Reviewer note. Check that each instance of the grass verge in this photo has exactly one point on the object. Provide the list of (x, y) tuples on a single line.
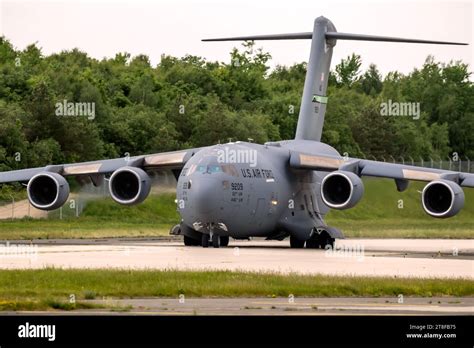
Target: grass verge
[(44, 304), (382, 213), (52, 288)]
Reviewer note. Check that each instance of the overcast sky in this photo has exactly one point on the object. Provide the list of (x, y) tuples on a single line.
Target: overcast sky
[(102, 28)]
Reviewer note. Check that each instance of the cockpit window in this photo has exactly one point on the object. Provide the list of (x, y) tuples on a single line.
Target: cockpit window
[(214, 169), (209, 169), (201, 169), (228, 169)]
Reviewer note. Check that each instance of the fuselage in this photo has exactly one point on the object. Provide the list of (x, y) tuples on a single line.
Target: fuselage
[(244, 189)]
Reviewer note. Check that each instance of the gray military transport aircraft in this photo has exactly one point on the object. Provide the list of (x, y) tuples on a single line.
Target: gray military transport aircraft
[(242, 189)]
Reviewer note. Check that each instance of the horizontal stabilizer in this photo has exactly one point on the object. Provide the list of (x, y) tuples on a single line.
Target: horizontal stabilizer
[(332, 35), (293, 36), (361, 37)]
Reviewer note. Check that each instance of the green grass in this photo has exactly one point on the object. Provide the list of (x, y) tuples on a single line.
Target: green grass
[(381, 200), (52, 288), (45, 304), (7, 192), (376, 216), (100, 218), (83, 228)]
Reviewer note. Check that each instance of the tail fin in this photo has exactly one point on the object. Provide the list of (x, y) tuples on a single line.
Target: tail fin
[(314, 99)]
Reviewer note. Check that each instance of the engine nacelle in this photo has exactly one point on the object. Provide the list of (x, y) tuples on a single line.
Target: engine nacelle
[(341, 190), (442, 198), (47, 191), (129, 185)]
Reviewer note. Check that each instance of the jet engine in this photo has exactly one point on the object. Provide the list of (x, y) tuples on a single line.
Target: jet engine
[(442, 198), (341, 190), (129, 185), (47, 191)]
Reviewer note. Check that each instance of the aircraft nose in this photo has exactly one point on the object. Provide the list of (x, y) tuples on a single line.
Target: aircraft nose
[(205, 195)]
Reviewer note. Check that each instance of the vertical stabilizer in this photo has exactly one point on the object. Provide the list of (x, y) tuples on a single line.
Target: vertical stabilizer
[(314, 99), (323, 39)]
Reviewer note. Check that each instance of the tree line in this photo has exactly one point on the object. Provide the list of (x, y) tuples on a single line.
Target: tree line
[(191, 102)]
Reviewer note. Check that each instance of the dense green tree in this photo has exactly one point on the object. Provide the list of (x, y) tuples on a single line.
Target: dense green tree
[(371, 81), (13, 143), (347, 71), (189, 102)]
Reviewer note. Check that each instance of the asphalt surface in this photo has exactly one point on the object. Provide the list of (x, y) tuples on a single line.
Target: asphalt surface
[(427, 258), (276, 306)]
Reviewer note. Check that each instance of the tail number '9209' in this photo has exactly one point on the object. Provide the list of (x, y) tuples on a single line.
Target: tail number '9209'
[(237, 186), (237, 194)]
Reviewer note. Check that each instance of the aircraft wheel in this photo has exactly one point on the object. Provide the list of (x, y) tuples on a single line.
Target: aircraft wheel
[(188, 241), (328, 243), (296, 243), (176, 230), (215, 241), (312, 244), (205, 240), (224, 241)]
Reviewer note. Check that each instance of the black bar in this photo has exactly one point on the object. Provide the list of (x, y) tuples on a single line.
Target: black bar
[(241, 330)]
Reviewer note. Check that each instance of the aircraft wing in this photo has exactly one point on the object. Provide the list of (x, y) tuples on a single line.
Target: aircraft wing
[(362, 167), (165, 160)]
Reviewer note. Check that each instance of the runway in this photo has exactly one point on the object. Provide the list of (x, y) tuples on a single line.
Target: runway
[(426, 258)]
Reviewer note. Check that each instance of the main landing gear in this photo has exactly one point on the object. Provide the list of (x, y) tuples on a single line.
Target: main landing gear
[(296, 243), (216, 241), (322, 240)]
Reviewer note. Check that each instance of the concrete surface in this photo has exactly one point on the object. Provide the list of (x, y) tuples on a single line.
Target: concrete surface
[(432, 258), (277, 306)]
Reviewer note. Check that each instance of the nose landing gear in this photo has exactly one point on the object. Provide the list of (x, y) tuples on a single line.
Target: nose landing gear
[(224, 240), (188, 241), (216, 241), (205, 240), (192, 237)]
